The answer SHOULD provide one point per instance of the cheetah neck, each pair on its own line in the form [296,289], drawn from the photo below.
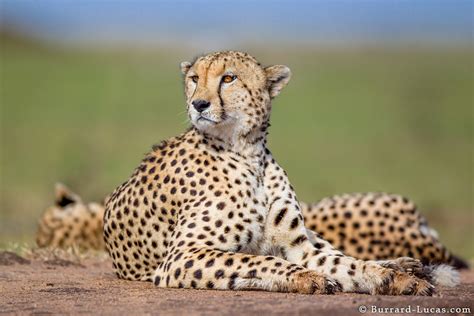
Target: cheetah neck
[251,145]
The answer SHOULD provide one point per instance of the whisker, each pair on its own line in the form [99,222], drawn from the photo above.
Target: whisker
[182,112]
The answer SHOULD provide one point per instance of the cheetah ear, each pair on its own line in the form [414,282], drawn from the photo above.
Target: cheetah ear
[185,66]
[277,78]
[64,196]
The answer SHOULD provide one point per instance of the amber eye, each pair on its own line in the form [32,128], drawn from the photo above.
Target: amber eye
[228,78]
[195,78]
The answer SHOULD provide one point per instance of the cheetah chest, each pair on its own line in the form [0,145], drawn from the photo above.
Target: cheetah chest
[246,210]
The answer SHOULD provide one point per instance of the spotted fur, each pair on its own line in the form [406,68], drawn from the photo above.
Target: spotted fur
[212,208]
[343,220]
[71,223]
[377,226]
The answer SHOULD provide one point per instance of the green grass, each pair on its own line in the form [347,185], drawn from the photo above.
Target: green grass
[397,120]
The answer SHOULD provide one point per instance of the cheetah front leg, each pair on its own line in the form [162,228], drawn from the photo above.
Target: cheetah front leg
[285,232]
[206,268]
[403,264]
[408,273]
[317,254]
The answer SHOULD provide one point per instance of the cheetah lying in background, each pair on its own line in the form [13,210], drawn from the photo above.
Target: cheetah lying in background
[212,208]
[71,223]
[367,226]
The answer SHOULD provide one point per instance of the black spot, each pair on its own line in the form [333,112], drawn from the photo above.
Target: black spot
[280,216]
[294,223]
[198,274]
[252,273]
[321,261]
[319,245]
[210,263]
[299,240]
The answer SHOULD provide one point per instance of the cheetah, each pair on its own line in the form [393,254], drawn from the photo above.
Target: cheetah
[384,226]
[377,226]
[71,223]
[212,209]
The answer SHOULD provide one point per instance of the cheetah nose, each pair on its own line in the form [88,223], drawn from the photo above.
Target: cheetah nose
[201,105]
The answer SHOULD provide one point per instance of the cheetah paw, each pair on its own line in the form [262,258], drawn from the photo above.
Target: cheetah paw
[401,283]
[405,264]
[310,282]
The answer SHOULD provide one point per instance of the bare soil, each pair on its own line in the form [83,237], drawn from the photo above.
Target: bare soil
[60,286]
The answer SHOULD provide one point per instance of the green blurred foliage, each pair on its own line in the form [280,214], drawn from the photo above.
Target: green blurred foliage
[371,119]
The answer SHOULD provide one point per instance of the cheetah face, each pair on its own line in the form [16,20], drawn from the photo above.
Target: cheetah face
[228,94]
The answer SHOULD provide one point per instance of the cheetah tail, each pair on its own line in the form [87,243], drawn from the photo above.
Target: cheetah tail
[443,274]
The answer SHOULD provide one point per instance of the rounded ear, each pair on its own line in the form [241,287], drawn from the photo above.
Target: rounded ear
[64,196]
[185,65]
[277,78]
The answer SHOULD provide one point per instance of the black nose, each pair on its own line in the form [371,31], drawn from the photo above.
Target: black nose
[201,105]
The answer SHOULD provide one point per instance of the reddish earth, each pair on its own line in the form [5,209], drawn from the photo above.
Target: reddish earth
[59,286]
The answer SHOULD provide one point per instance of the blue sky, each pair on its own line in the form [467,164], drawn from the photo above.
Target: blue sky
[319,21]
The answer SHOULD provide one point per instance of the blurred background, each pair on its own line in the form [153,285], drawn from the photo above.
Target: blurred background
[381,97]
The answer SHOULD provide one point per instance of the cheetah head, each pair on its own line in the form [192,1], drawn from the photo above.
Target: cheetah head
[228,94]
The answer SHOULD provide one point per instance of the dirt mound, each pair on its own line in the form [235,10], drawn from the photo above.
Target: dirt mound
[8,258]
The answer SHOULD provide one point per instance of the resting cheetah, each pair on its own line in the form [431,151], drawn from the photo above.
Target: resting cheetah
[384,226]
[375,226]
[71,223]
[212,208]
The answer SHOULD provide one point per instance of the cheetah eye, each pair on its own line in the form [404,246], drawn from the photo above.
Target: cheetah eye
[194,78]
[228,78]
